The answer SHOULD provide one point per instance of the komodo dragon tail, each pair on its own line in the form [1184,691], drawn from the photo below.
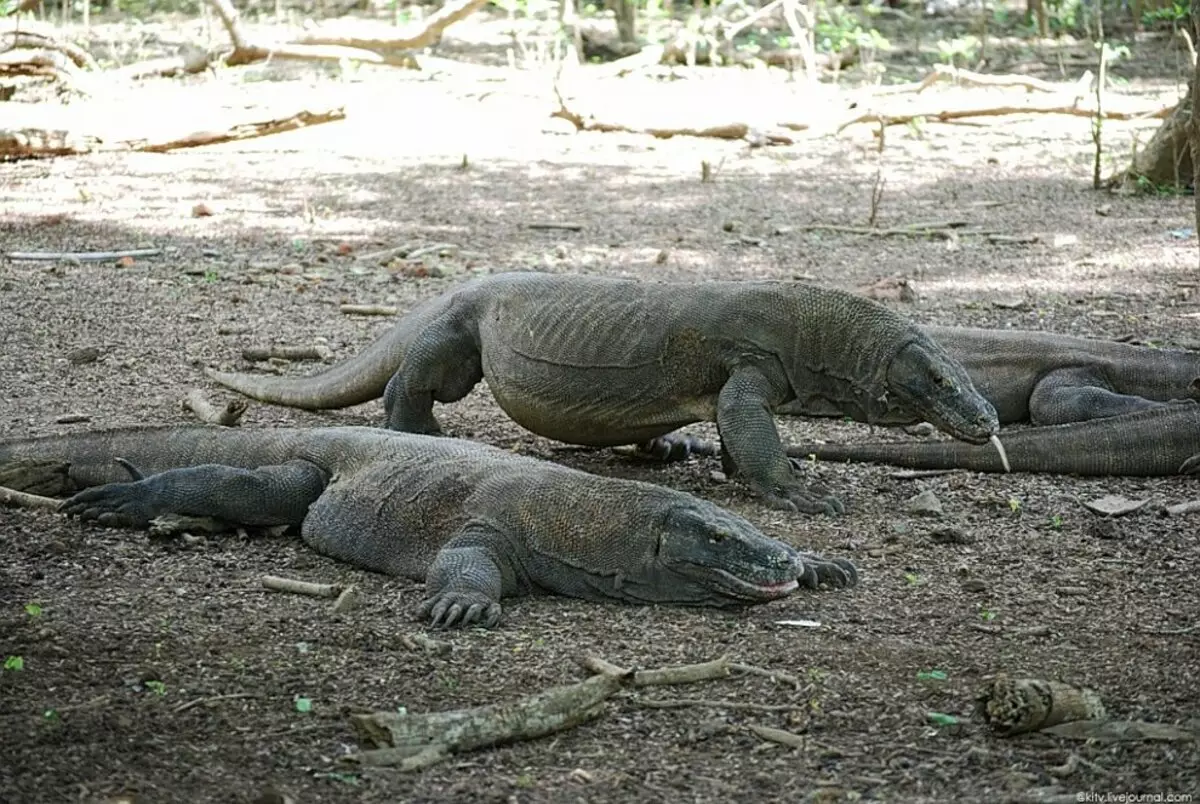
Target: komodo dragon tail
[1160,442]
[351,382]
[86,459]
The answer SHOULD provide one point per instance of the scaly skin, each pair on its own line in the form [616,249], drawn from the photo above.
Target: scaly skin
[1161,441]
[1047,378]
[474,522]
[606,362]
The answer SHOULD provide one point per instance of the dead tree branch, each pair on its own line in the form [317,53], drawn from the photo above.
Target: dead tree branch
[26,39]
[1068,107]
[427,33]
[207,412]
[20,499]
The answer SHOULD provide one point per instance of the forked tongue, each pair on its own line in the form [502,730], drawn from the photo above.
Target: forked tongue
[995,439]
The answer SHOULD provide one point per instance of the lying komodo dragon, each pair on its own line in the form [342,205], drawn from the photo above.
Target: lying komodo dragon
[476,523]
[1047,378]
[606,362]
[1161,441]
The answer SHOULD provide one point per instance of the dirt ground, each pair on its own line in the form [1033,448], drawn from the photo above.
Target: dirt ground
[161,669]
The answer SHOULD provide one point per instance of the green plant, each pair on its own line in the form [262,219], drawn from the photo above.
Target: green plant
[1056,522]
[1014,505]
[303,704]
[157,687]
[14,664]
[931,675]
[962,49]
[987,615]
[941,719]
[1175,14]
[33,609]
[913,579]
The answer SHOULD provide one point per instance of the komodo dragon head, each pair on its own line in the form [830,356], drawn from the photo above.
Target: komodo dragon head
[925,381]
[706,556]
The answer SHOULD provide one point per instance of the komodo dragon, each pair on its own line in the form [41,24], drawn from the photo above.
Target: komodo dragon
[475,522]
[606,362]
[1161,441]
[1047,378]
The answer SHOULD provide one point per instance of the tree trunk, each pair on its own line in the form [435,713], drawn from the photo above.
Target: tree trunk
[1194,128]
[626,13]
[1166,160]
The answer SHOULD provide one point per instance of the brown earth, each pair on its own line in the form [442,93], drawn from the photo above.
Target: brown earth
[1114,599]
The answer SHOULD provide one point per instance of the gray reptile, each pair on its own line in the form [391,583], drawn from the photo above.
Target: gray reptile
[1161,441]
[1047,378]
[606,362]
[476,523]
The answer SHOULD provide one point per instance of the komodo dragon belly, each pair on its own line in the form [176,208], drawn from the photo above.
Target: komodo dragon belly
[598,374]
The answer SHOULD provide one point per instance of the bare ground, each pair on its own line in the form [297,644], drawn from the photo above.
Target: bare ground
[293,214]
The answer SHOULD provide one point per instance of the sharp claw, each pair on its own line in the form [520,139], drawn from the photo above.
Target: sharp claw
[493,615]
[473,614]
[809,577]
[453,616]
[438,611]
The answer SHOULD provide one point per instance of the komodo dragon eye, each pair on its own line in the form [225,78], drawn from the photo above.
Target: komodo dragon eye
[718,535]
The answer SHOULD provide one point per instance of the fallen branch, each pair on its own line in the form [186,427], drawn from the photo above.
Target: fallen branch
[82,256]
[946,72]
[941,233]
[295,587]
[429,32]
[947,115]
[240,131]
[20,499]
[367,309]
[207,412]
[1018,705]
[778,736]
[683,703]
[565,227]
[26,39]
[414,741]
[255,354]
[1183,508]
[722,131]
[773,675]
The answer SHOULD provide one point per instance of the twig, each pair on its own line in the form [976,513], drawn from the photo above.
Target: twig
[278,584]
[945,115]
[367,309]
[1016,240]
[681,703]
[211,699]
[917,474]
[82,256]
[349,599]
[207,412]
[425,643]
[20,499]
[384,255]
[773,675]
[1183,508]
[790,739]
[565,227]
[900,231]
[1172,631]
[72,418]
[681,674]
[317,351]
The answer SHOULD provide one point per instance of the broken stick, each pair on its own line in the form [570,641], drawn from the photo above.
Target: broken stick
[207,412]
[367,309]
[20,499]
[255,354]
[295,587]
[82,256]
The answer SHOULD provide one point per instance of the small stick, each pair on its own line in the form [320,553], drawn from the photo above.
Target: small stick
[255,354]
[209,413]
[73,418]
[367,309]
[386,254]
[277,584]
[564,227]
[211,699]
[20,499]
[680,674]
[917,474]
[680,703]
[348,600]
[780,736]
[425,643]
[900,231]
[1183,508]
[773,675]
[81,256]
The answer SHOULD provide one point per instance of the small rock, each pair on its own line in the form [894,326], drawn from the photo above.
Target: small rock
[924,429]
[925,504]
[1103,210]
[718,476]
[1114,505]
[202,210]
[82,355]
[1071,591]
[1105,529]
[951,535]
[1011,304]
[974,585]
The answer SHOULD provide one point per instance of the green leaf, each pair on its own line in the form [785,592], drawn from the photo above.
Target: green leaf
[931,675]
[14,663]
[33,609]
[303,705]
[942,719]
[157,686]
[337,776]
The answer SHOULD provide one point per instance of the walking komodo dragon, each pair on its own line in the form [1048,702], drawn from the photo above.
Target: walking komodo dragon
[607,362]
[476,523]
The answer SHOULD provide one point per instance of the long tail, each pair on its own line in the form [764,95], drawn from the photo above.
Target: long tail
[1149,443]
[91,457]
[351,382]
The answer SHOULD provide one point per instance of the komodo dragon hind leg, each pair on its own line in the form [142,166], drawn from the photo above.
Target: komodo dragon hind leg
[442,364]
[751,447]
[35,476]
[1078,394]
[269,495]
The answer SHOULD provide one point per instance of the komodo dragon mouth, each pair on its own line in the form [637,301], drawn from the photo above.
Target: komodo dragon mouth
[751,589]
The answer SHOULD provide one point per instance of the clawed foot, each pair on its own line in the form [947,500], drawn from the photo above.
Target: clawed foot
[447,609]
[1191,466]
[815,570]
[112,505]
[675,447]
[816,499]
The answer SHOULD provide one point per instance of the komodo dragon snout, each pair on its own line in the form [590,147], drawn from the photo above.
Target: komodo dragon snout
[939,390]
[717,558]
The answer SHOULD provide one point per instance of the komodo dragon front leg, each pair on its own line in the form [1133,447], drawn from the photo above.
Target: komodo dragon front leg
[751,443]
[441,364]
[1081,393]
